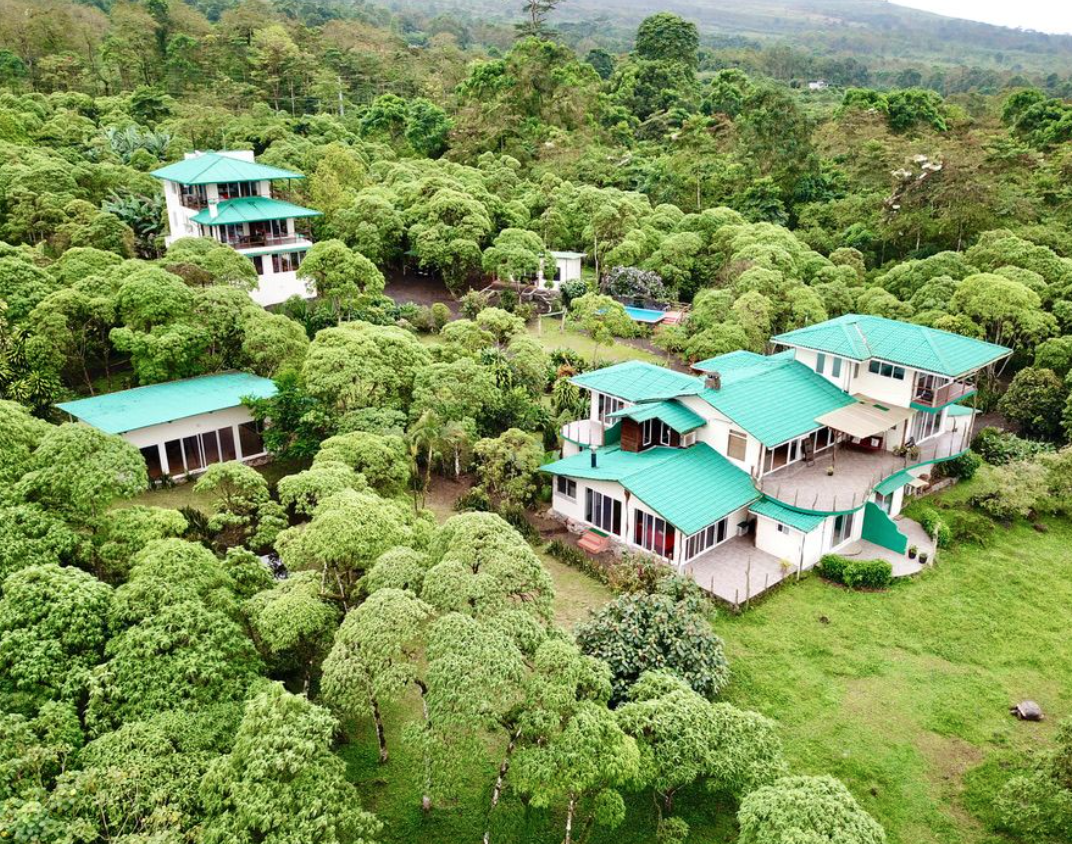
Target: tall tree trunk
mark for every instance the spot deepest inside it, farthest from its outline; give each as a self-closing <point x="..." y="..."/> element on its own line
<point x="570" y="809"/>
<point x="381" y="736"/>
<point x="500" y="781"/>
<point x="426" y="797"/>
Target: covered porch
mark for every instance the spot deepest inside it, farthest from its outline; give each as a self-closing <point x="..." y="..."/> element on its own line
<point x="841" y="478"/>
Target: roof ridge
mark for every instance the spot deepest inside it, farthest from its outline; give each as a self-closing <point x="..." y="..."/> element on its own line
<point x="930" y="342"/>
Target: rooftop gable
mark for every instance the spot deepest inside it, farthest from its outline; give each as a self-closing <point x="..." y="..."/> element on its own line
<point x="636" y="381"/>
<point x="774" y="398"/>
<point x="212" y="168"/>
<point x="862" y="337"/>
<point x="671" y="413"/>
<point x="142" y="407"/>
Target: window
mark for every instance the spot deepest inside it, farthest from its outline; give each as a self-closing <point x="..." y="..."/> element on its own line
<point x="842" y="528"/>
<point x="607" y="405"/>
<point x="654" y="534"/>
<point x="567" y="487"/>
<point x="249" y="439"/>
<point x="603" y="511"/>
<point x="210" y="446"/>
<point x="152" y="461"/>
<point x="664" y="434"/>
<point x="173" y="452"/>
<point x="653" y="431"/>
<point x="709" y="537"/>
<point x="191" y="446"/>
<point x="738" y="445"/>
<point x="233" y="190"/>
<point x="887" y="370"/>
<point x="286" y="262"/>
<point x="227" y="449"/>
<point x="820" y="363"/>
<point x="925" y="425"/>
<point x="258" y="264"/>
<point x="782" y="528"/>
<point x="835" y="367"/>
<point x="647" y="429"/>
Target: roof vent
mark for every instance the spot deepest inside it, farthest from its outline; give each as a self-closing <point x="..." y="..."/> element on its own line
<point x="714" y="381"/>
<point x="592" y="452"/>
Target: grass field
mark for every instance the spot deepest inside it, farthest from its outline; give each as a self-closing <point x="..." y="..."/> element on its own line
<point x="903" y="694"/>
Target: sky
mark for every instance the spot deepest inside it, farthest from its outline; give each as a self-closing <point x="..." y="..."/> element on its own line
<point x="1043" y="15"/>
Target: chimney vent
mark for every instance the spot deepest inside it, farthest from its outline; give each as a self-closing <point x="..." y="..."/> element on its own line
<point x="714" y="381"/>
<point x="592" y="452"/>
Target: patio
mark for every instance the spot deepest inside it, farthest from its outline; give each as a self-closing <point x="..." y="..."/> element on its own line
<point x="736" y="571"/>
<point x="856" y="473"/>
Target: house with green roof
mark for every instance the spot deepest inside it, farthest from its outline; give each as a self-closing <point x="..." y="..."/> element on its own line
<point x="752" y="458"/>
<point x="182" y="427"/>
<point x="227" y="196"/>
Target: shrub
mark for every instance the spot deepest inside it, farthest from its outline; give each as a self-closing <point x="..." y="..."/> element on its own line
<point x="472" y="303"/>
<point x="856" y="574"/>
<point x="934" y="524"/>
<point x="475" y="500"/>
<point x="515" y="515"/>
<point x="572" y="290"/>
<point x="999" y="447"/>
<point x="576" y="558"/>
<point x="968" y="527"/>
<point x="440" y="316"/>
<point x="963" y="466"/>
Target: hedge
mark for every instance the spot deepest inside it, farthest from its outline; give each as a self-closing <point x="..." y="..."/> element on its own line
<point x="856" y="574"/>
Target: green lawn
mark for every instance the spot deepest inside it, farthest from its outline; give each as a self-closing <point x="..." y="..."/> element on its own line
<point x="552" y="336"/>
<point x="903" y="694"/>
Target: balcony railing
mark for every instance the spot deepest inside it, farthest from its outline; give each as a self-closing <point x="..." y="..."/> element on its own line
<point x="584" y="433"/>
<point x="939" y="396"/>
<point x="252" y="240"/>
<point x="194" y="202"/>
<point x="855" y="474"/>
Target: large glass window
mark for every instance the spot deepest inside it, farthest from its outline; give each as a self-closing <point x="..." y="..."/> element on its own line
<point x="709" y="537"/>
<point x="233" y="190"/>
<point x="173" y="450"/>
<point x="820" y="363"/>
<point x="886" y="370"/>
<point x="654" y="432"/>
<point x="835" y="367"/>
<point x="603" y="511"/>
<point x="227" y="449"/>
<point x="152" y="461"/>
<point x="192" y="448"/>
<point x="842" y="528"/>
<point x="607" y="405"/>
<point x="249" y="439"/>
<point x="654" y="534"/>
<point x="925" y="425"/>
<point x="285" y="262"/>
<point x="567" y="487"/>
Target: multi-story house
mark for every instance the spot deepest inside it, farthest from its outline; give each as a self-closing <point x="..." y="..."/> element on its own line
<point x="227" y="196"/>
<point x="760" y="464"/>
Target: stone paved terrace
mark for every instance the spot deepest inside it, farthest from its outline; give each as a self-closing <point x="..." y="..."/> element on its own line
<point x="856" y="473"/>
<point x="737" y="571"/>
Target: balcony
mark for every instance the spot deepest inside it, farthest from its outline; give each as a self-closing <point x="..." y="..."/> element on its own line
<point x="928" y="394"/>
<point x="855" y="474"/>
<point x="252" y="241"/>
<point x="584" y="433"/>
<point x="193" y="201"/>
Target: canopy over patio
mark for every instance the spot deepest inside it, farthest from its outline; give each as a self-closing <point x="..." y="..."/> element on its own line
<point x="866" y="417"/>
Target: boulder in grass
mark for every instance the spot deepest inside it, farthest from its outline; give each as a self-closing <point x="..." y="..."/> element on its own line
<point x="1027" y="710"/>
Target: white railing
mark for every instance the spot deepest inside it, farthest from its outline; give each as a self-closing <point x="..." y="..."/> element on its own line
<point x="583" y="432"/>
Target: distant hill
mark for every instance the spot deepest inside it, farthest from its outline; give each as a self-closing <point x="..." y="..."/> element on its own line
<point x="873" y="30"/>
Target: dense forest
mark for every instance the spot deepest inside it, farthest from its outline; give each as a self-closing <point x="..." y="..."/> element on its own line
<point x="158" y="685"/>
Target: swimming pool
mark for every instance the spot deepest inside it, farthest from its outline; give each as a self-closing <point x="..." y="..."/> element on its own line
<point x="648" y="315"/>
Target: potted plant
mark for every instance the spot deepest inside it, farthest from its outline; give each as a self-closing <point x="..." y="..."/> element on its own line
<point x="913" y="453"/>
<point x="912" y="551"/>
<point x="923" y="558"/>
<point x="829" y="471"/>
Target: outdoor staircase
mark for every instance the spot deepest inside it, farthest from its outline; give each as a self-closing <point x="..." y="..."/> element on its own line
<point x="672" y="317"/>
<point x="594" y="541"/>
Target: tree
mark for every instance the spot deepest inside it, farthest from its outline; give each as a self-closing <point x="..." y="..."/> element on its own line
<point x="508" y="465"/>
<point x="281" y="782"/>
<point x="243" y="511"/>
<point x="481" y="566"/>
<point x="684" y="738"/>
<point x="272" y="343"/>
<point x="292" y="624"/>
<point x="666" y="629"/>
<point x="20" y="434"/>
<point x="379" y="458"/>
<point x="52" y="630"/>
<point x="81" y="471"/>
<point x="346" y="278"/>
<point x="516" y="255"/>
<point x="602" y="61"/>
<point x="603" y="318"/>
<point x="535" y="23"/>
<point x="806" y="809"/>
<point x="374" y="657"/>
<point x="202" y="261"/>
<point x="1035" y="400"/>
<point x="667" y="37"/>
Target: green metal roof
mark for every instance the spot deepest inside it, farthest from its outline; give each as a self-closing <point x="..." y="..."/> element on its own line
<point x="636" y="381"/>
<point x="690" y="488"/>
<point x="926" y="408"/>
<point x="251" y="209"/>
<point x="671" y="413"/>
<point x="275" y="250"/>
<point x="774" y="398"/>
<point x="894" y="481"/>
<point x="694" y="488"/>
<point x="805" y="522"/>
<point x="612" y="464"/>
<point x="862" y="337"/>
<point x="129" y="410"/>
<point x="212" y="168"/>
<point x="959" y="410"/>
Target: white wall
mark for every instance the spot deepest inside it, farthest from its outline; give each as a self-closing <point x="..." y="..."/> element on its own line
<point x="157" y="435"/>
<point x="273" y="288"/>
<point x="716" y="433"/>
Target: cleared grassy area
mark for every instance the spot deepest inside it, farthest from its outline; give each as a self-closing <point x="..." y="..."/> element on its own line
<point x="183" y="495"/>
<point x="552" y="336"/>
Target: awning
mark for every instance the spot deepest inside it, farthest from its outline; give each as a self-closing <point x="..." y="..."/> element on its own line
<point x="866" y="418"/>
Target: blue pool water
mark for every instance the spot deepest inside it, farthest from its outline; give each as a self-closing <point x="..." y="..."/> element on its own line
<point x="645" y="314"/>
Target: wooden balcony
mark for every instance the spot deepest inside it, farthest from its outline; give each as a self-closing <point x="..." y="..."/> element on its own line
<point x="940" y="396"/>
<point x="252" y="241"/>
<point x="855" y="474"/>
